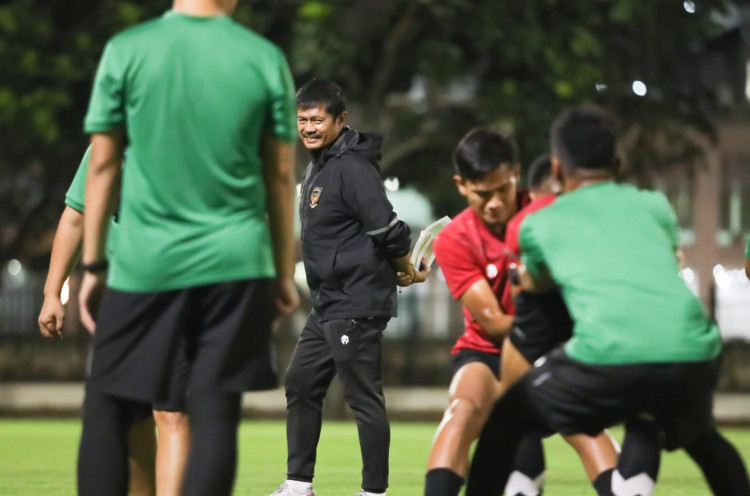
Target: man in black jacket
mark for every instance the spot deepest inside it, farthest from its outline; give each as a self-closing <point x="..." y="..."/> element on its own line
<point x="356" y="251"/>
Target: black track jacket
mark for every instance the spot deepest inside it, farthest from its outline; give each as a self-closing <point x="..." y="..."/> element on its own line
<point x="349" y="230"/>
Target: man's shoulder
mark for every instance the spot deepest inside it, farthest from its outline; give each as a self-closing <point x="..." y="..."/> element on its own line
<point x="457" y="229"/>
<point x="144" y="29"/>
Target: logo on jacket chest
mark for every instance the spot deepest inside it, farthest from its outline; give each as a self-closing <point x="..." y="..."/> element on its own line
<point x="315" y="196"/>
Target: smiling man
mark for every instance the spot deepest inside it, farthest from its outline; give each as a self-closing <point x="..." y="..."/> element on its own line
<point x="355" y="251"/>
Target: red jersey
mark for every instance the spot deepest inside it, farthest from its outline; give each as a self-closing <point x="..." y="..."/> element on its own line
<point x="468" y="252"/>
<point x="514" y="225"/>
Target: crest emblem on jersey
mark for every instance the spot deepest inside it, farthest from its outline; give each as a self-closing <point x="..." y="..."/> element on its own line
<point x="344" y="339"/>
<point x="315" y="197"/>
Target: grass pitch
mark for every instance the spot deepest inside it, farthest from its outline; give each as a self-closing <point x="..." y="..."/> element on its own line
<point x="37" y="458"/>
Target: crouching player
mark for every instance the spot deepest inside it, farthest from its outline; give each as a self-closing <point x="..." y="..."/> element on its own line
<point x="643" y="351"/>
<point x="542" y="323"/>
<point x="474" y="259"/>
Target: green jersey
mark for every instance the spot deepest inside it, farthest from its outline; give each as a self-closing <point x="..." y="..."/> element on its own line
<point x="611" y="249"/>
<point x="747" y="247"/>
<point x="195" y="95"/>
<point x="75" y="198"/>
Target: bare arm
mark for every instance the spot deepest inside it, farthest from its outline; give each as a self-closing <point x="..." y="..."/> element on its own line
<point x="533" y="284"/>
<point x="482" y="304"/>
<point x="747" y="267"/>
<point x="278" y="174"/>
<point x="101" y="185"/>
<point x="66" y="250"/>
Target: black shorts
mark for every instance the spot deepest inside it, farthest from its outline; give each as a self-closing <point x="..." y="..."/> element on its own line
<point x="541" y="323"/>
<point x="175" y="402"/>
<point x="574" y="397"/>
<point x="462" y="357"/>
<point x="225" y="329"/>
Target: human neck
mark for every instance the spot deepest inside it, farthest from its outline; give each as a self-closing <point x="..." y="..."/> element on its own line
<point x="580" y="178"/>
<point x="198" y="8"/>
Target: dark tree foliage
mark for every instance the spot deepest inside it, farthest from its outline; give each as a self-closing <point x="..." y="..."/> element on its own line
<point x="422" y="72"/>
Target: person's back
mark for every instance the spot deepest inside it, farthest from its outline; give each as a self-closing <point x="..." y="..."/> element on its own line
<point x="612" y="250"/>
<point x="197" y="94"/>
<point x="205" y="252"/>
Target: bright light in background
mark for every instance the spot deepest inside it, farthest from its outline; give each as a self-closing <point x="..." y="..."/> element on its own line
<point x="639" y="88"/>
<point x="600" y="87"/>
<point x="688" y="275"/>
<point x="392" y="184"/>
<point x="689" y="6"/>
<point x="65" y="293"/>
<point x="14" y="267"/>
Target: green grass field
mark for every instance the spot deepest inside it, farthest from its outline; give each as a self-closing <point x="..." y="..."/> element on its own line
<point x="37" y="458"/>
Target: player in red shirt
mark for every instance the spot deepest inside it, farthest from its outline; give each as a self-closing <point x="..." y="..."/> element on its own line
<point x="542" y="323"/>
<point x="474" y="259"/>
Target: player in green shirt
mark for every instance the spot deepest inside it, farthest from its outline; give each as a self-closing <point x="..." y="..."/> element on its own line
<point x="205" y="239"/>
<point x="171" y="422"/>
<point x="643" y="351"/>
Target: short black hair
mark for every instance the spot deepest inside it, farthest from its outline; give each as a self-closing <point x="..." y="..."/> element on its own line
<point x="481" y="151"/>
<point x="318" y="92"/>
<point x="585" y="137"/>
<point x="539" y="171"/>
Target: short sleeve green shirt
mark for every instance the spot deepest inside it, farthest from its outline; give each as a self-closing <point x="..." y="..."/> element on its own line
<point x="747" y="247"/>
<point x="195" y="95"/>
<point x="611" y="248"/>
<point x="75" y="198"/>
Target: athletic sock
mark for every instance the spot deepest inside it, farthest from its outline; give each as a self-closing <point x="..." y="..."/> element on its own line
<point x="527" y="478"/>
<point x="638" y="464"/>
<point x="603" y="483"/>
<point x="369" y="493"/>
<point x="301" y="487"/>
<point x="722" y="466"/>
<point x="442" y="482"/>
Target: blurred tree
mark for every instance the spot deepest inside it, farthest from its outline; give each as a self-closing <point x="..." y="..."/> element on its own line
<point x="426" y="71"/>
<point x="420" y="71"/>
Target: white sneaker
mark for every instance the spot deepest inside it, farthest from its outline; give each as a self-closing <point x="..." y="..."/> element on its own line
<point x="362" y="492"/>
<point x="286" y="490"/>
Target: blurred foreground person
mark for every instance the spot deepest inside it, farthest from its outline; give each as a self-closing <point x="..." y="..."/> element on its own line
<point x="643" y="352"/>
<point x="205" y="238"/>
<point x="174" y="434"/>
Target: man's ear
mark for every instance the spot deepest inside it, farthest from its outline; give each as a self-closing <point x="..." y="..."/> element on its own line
<point x="341" y="119"/>
<point x="556" y="167"/>
<point x="460" y="185"/>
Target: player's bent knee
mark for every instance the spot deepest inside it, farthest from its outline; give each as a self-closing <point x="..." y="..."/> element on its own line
<point x="466" y="413"/>
<point x="170" y="420"/>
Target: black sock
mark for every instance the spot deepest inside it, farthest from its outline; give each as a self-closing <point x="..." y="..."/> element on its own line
<point x="212" y="460"/>
<point x="603" y="483"/>
<point x="722" y="466"/>
<point x="442" y="482"/>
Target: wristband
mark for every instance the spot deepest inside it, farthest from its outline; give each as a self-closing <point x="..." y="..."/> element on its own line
<point x="95" y="267"/>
